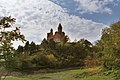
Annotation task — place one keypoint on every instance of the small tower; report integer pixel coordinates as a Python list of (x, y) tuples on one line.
[(51, 31), (50, 35), (60, 28)]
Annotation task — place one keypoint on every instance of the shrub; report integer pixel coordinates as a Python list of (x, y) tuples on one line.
[(45, 60), (116, 65), (108, 64)]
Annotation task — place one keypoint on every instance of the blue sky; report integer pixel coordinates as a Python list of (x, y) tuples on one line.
[(104, 17), (79, 18)]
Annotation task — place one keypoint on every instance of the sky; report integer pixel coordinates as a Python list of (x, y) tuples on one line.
[(79, 18)]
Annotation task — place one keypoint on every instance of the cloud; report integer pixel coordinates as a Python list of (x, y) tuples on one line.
[(37, 17), (88, 6), (94, 6)]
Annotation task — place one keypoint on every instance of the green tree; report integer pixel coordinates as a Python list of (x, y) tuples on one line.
[(33, 48), (20, 49), (6, 38), (27, 46), (110, 46)]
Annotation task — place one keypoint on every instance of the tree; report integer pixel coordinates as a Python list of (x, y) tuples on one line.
[(6, 38), (20, 49), (110, 46)]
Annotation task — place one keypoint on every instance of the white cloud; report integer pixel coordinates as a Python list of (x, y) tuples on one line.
[(94, 6), (36, 17)]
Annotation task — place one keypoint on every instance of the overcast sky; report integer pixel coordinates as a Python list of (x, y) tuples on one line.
[(79, 18)]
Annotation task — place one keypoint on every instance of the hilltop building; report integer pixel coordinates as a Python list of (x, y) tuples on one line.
[(59, 35)]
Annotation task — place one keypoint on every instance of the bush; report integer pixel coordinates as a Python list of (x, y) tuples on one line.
[(108, 64), (111, 63), (13, 64), (116, 64), (45, 60), (117, 75), (91, 62)]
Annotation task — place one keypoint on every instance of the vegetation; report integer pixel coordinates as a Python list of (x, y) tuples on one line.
[(6, 38), (110, 41), (80, 74), (55, 55), (51, 55)]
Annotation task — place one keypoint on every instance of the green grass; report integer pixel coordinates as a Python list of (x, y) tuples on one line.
[(83, 74)]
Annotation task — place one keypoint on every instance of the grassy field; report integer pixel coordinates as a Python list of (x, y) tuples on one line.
[(83, 74)]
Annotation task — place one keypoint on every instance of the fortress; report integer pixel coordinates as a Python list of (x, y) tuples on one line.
[(59, 35)]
